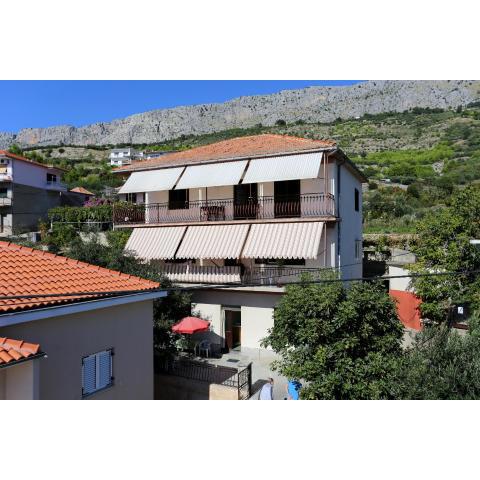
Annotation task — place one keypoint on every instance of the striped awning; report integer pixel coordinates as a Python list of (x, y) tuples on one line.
[(283, 240), (159, 243), (151, 180), (286, 167), (213, 241), (212, 175)]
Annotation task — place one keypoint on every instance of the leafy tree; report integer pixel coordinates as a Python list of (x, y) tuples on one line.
[(15, 149), (441, 364), (344, 343), (444, 246)]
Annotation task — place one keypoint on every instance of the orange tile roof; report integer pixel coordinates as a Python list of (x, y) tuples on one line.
[(241, 147), (25, 271), (81, 190), (12, 351), (5, 153)]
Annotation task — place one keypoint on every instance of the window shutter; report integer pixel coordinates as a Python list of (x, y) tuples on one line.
[(104, 368), (89, 374)]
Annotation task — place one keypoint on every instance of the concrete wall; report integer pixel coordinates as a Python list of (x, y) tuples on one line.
[(30, 205), (128, 329), (171, 387), (351, 223), (401, 284), (20, 382), (256, 310)]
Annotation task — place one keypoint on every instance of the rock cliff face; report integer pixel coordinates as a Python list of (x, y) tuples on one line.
[(314, 104)]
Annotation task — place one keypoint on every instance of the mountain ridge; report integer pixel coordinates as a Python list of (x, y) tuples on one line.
[(312, 104)]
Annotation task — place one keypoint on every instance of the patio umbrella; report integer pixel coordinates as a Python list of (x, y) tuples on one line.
[(191, 325)]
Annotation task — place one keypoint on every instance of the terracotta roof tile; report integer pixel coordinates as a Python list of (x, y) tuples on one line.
[(241, 147), (25, 271), (12, 351), (6, 153), (81, 190)]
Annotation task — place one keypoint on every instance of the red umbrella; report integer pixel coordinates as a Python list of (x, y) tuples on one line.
[(191, 325)]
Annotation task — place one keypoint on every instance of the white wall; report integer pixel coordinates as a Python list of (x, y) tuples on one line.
[(26, 173), (350, 223), (255, 324), (401, 284)]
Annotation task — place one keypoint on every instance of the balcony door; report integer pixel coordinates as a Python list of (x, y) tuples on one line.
[(287, 198), (245, 201)]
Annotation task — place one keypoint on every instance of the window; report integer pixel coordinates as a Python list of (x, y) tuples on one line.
[(131, 197), (357, 200), (358, 249), (97, 372), (3, 192), (3, 222), (51, 178), (177, 199)]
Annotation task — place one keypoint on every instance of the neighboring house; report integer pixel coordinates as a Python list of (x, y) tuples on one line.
[(155, 154), (80, 195), (255, 212), (401, 290), (96, 344), (124, 156), (27, 191)]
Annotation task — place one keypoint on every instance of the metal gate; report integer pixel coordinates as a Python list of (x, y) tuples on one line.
[(245, 382)]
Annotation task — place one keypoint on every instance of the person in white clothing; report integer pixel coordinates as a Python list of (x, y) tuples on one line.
[(266, 393)]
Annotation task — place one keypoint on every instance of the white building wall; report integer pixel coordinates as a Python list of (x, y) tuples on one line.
[(350, 223), (401, 284), (256, 322), (26, 173)]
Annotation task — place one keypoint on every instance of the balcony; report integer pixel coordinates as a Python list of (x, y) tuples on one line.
[(5, 201), (55, 185), (5, 177), (258, 276), (263, 208)]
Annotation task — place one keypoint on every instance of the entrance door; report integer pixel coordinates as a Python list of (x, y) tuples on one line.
[(245, 201), (287, 198), (233, 328)]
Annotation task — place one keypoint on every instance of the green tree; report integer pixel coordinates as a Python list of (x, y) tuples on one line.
[(444, 246), (344, 343), (441, 364)]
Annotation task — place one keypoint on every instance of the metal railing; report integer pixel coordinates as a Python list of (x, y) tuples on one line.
[(5, 201), (262, 275), (261, 208)]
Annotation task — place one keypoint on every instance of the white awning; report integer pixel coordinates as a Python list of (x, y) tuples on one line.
[(212, 175), (156, 243), (283, 240), (286, 167), (213, 241), (151, 180)]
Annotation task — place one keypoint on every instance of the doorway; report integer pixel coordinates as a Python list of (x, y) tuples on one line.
[(245, 201), (287, 198), (233, 328)]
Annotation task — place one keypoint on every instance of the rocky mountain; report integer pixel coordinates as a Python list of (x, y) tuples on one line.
[(313, 104)]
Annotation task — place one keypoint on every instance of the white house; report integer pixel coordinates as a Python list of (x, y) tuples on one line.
[(124, 156), (27, 191), (254, 213)]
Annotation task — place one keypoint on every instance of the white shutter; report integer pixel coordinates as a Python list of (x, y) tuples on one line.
[(104, 369), (89, 375)]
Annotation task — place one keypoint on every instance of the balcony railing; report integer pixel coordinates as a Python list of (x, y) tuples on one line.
[(5, 201), (55, 185), (262, 275), (5, 177), (263, 208)]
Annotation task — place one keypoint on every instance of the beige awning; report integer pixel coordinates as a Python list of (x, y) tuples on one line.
[(213, 241), (283, 240), (158, 243), (151, 180)]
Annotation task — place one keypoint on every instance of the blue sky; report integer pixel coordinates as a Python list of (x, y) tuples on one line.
[(28, 103)]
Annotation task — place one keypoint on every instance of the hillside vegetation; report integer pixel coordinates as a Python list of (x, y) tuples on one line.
[(415, 160)]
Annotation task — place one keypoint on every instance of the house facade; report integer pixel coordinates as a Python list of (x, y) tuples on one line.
[(86, 334), (241, 218), (27, 191), (124, 156)]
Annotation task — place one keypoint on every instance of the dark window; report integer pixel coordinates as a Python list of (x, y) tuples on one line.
[(51, 178), (3, 192), (245, 201), (357, 200), (177, 199), (131, 197), (287, 198), (279, 262)]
